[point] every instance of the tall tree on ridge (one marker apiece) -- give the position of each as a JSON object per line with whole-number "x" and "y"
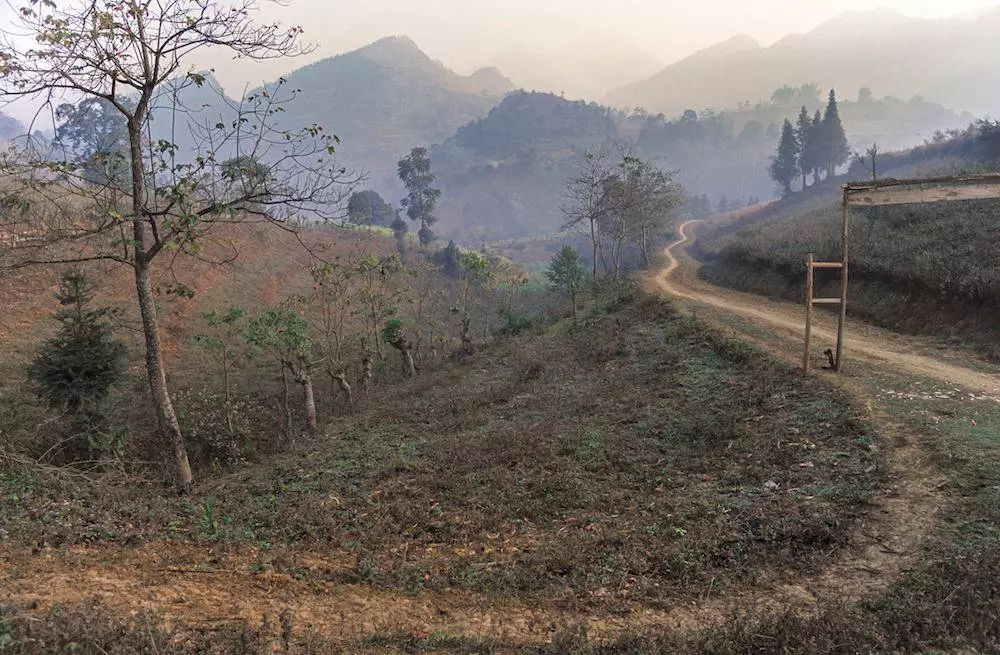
{"x": 784, "y": 164}
{"x": 835, "y": 148}
{"x": 816, "y": 140}
{"x": 587, "y": 196}
{"x": 422, "y": 197}
{"x": 803, "y": 132}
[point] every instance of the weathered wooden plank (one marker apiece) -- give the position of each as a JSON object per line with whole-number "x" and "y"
{"x": 826, "y": 301}
{"x": 828, "y": 264}
{"x": 941, "y": 192}
{"x": 810, "y": 264}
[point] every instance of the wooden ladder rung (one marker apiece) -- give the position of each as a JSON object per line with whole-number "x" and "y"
{"x": 828, "y": 265}
{"x": 826, "y": 301}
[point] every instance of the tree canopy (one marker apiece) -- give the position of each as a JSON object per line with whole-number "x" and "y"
{"x": 422, "y": 197}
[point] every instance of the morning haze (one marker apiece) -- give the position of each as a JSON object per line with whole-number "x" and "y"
{"x": 488, "y": 326}
{"x": 466, "y": 34}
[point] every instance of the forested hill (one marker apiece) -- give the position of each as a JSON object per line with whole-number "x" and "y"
{"x": 947, "y": 60}
{"x": 536, "y": 121}
{"x": 386, "y": 98}
{"x": 10, "y": 127}
{"x": 504, "y": 175}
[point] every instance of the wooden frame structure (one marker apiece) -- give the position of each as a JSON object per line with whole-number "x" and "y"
{"x": 880, "y": 193}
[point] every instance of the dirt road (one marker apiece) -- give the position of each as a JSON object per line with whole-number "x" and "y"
{"x": 679, "y": 279}
{"x": 202, "y": 587}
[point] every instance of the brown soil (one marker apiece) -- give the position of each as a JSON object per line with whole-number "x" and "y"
{"x": 195, "y": 586}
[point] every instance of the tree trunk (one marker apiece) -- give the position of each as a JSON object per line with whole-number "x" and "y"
{"x": 155, "y": 368}
{"x": 644, "y": 245}
{"x": 345, "y": 386}
{"x": 305, "y": 379}
{"x": 366, "y": 373}
{"x": 226, "y": 382}
{"x": 467, "y": 346}
{"x": 600, "y": 250}
{"x": 229, "y": 397}
{"x": 285, "y": 403}
{"x": 616, "y": 255}
{"x": 375, "y": 335}
{"x": 595, "y": 241}
{"x": 572, "y": 296}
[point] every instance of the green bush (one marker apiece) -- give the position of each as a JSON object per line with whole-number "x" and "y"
{"x": 221, "y": 433}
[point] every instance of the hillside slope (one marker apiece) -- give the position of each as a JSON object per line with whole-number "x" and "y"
{"x": 612, "y": 473}
{"x": 949, "y": 59}
{"x": 384, "y": 99}
{"x": 929, "y": 269}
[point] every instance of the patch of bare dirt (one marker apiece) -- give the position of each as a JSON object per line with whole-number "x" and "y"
{"x": 196, "y": 586}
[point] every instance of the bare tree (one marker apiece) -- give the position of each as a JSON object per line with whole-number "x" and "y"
{"x": 169, "y": 198}
{"x": 586, "y": 197}
{"x": 869, "y": 160}
{"x": 642, "y": 200}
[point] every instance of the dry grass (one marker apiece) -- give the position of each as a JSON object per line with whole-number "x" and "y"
{"x": 929, "y": 269}
{"x": 635, "y": 458}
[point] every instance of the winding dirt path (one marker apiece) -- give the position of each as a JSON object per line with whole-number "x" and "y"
{"x": 198, "y": 587}
{"x": 679, "y": 279}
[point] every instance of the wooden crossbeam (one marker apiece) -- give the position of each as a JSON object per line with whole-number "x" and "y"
{"x": 880, "y": 193}
{"x": 928, "y": 190}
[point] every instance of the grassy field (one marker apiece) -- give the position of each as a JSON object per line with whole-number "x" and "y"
{"x": 636, "y": 461}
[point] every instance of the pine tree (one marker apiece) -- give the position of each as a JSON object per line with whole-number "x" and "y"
{"x": 815, "y": 141}
{"x": 784, "y": 164}
{"x": 803, "y": 132}
{"x": 835, "y": 147}
{"x": 75, "y": 370}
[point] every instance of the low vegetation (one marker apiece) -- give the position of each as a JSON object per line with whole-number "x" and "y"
{"x": 927, "y": 269}
{"x": 636, "y": 458}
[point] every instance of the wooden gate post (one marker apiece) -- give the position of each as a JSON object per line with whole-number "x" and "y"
{"x": 809, "y": 311}
{"x": 843, "y": 286}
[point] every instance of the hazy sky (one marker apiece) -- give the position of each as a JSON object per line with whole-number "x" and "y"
{"x": 465, "y": 33}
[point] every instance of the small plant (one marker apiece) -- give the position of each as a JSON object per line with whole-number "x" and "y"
{"x": 208, "y": 525}
{"x": 567, "y": 274}
{"x": 222, "y": 431}
{"x": 514, "y": 323}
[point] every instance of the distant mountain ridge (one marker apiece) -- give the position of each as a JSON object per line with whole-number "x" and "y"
{"x": 583, "y": 69}
{"x": 386, "y": 98}
{"x": 951, "y": 61}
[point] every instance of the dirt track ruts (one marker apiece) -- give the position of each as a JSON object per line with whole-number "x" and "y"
{"x": 886, "y": 544}
{"x": 862, "y": 341}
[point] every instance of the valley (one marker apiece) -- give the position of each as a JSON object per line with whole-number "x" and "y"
{"x": 494, "y": 353}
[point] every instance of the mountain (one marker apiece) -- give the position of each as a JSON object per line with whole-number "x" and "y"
{"x": 584, "y": 69}
{"x": 976, "y": 14}
{"x": 946, "y": 60}
{"x": 384, "y": 99}
{"x": 10, "y": 127}
{"x": 504, "y": 176}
